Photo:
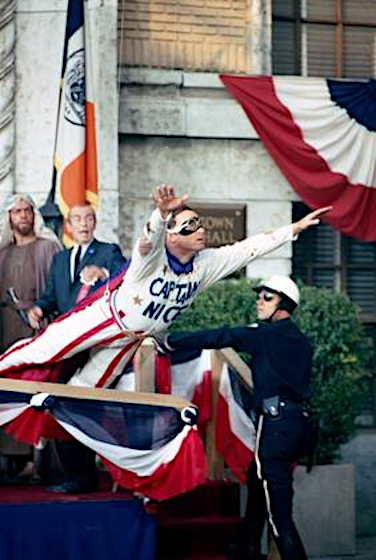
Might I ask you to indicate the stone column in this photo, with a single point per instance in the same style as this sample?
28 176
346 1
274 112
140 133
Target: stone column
103 27
260 37
7 96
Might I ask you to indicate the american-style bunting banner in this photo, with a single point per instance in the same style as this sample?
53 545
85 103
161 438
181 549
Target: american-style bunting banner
321 134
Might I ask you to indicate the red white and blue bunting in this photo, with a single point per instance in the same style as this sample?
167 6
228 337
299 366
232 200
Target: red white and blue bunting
235 430
154 450
191 379
150 449
321 134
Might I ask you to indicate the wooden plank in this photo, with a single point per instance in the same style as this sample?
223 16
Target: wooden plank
234 361
91 393
216 467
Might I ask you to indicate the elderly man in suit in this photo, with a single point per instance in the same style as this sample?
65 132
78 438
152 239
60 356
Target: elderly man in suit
89 262
75 273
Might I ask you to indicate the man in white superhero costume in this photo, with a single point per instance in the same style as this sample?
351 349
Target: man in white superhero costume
160 283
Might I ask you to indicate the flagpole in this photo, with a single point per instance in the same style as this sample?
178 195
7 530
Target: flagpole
50 210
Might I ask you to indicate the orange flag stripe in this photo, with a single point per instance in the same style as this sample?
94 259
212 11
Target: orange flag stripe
91 151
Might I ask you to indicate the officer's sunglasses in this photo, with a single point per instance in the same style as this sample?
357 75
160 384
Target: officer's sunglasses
187 227
266 296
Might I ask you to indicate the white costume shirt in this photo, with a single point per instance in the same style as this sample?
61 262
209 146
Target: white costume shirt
152 296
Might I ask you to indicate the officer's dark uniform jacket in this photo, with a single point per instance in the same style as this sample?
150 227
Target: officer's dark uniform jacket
281 355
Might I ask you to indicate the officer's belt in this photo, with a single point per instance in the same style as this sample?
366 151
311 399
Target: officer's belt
272 405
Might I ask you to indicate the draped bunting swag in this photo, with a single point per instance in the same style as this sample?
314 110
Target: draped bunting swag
321 135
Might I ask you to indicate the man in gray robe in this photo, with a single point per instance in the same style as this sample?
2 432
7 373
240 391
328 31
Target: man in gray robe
26 250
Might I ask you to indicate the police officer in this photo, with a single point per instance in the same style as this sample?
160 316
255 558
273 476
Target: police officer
281 365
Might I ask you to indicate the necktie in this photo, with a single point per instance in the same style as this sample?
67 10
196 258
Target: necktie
77 263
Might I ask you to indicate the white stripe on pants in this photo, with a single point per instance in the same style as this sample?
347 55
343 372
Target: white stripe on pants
261 477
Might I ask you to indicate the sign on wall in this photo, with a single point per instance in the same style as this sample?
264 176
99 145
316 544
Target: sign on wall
224 224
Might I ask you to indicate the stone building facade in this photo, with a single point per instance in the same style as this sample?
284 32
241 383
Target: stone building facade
164 116
175 123
178 125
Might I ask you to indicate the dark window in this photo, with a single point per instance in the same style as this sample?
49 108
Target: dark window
325 258
331 38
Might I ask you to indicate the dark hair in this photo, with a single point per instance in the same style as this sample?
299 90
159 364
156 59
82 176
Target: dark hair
176 212
286 304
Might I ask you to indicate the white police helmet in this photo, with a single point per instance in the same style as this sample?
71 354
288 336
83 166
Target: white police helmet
283 286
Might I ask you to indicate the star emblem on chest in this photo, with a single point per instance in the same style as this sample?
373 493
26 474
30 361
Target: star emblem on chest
137 300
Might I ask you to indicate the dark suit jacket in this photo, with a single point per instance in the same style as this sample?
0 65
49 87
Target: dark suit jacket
60 294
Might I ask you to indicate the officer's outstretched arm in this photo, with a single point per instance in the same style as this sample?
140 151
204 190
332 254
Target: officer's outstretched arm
242 339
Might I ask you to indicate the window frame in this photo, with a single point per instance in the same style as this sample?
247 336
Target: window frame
300 20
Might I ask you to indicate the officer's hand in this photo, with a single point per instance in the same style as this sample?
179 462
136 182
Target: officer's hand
311 219
165 200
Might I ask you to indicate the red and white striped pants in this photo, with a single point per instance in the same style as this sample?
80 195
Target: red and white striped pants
94 327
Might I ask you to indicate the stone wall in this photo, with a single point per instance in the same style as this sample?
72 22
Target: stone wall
184 129
154 104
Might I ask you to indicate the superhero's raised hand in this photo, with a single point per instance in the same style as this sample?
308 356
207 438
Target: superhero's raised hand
165 199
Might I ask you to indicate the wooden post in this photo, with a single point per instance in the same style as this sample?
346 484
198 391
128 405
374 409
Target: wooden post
214 461
235 362
144 366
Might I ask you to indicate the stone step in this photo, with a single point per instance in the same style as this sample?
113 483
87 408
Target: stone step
200 524
198 537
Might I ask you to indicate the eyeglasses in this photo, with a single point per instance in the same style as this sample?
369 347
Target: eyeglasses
266 296
187 227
